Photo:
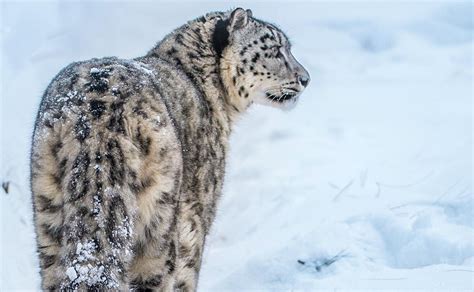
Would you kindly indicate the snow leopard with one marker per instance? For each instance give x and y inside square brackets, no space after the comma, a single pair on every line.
[128,156]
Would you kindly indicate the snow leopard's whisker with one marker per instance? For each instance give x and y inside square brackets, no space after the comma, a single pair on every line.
[273,97]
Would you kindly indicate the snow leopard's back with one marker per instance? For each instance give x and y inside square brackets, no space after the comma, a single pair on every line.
[106,168]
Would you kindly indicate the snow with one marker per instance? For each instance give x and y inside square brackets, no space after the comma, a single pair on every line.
[95,70]
[143,67]
[85,251]
[89,274]
[71,273]
[81,269]
[366,184]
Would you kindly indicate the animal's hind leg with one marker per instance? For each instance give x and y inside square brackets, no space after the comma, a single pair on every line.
[155,246]
[157,168]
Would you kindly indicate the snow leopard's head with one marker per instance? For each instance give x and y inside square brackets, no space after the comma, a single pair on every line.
[256,62]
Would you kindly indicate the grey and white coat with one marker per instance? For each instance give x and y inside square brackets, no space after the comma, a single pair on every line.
[128,156]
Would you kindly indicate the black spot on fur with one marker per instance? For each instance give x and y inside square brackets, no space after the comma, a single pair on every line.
[256,57]
[82,212]
[198,70]
[180,286]
[171,51]
[116,212]
[55,233]
[79,183]
[138,186]
[147,284]
[220,38]
[55,148]
[62,168]
[197,208]
[115,158]
[179,39]
[155,281]
[192,55]
[46,261]
[166,199]
[191,264]
[82,128]
[264,37]
[48,123]
[116,123]
[44,204]
[170,265]
[143,142]
[99,80]
[97,108]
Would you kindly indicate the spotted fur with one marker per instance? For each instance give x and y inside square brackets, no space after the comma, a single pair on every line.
[128,156]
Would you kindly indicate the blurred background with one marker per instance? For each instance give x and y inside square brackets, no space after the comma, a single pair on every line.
[366,184]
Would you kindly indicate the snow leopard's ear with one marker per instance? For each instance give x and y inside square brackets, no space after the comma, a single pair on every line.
[239,18]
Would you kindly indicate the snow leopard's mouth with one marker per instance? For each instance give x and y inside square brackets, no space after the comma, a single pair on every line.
[281,97]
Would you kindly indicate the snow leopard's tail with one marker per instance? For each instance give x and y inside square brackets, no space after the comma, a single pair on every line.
[83,211]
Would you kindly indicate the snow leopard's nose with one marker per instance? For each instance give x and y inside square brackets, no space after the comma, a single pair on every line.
[302,76]
[303,80]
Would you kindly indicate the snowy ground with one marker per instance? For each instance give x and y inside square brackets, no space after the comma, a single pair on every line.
[367,184]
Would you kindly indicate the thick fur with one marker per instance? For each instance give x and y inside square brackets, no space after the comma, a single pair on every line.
[128,156]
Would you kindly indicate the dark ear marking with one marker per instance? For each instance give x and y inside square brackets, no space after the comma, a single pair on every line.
[249,12]
[239,18]
[220,38]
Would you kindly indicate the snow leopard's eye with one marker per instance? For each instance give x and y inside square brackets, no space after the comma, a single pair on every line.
[279,54]
[277,51]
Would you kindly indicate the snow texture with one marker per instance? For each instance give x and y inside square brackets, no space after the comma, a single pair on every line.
[366,184]
[82,271]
